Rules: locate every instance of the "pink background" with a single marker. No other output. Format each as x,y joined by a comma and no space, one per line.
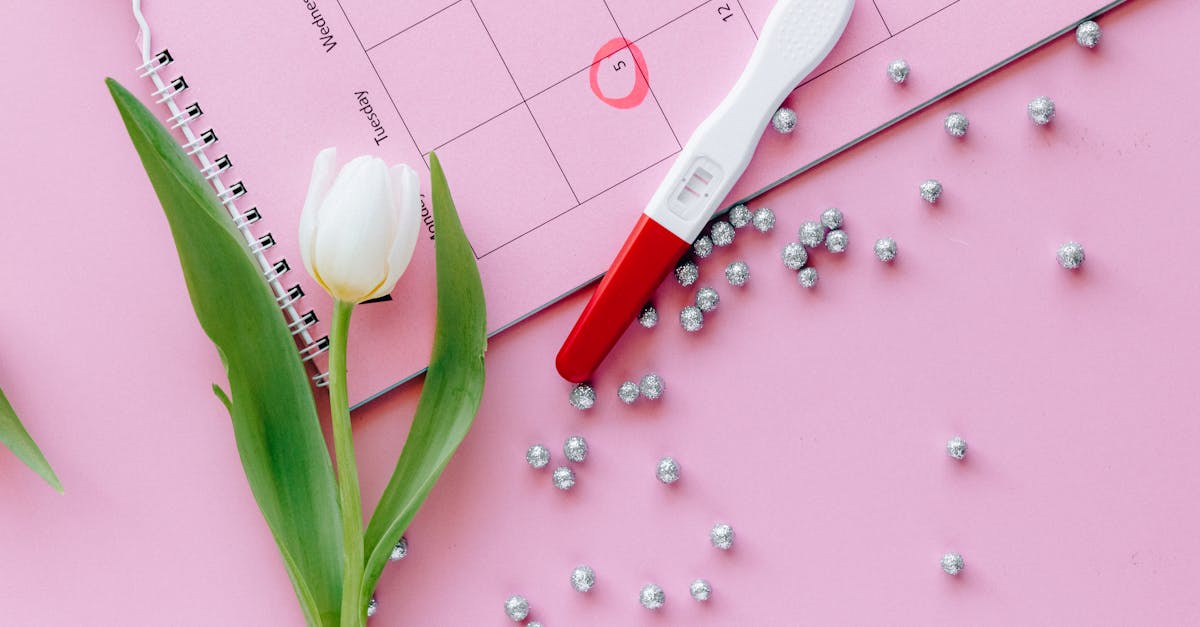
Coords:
813,422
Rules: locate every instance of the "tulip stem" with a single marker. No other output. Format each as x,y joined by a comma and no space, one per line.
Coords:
353,613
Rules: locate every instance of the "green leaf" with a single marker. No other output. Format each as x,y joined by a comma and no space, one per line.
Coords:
453,384
271,404
17,439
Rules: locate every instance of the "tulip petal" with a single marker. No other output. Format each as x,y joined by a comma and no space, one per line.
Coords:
406,187
318,187
357,223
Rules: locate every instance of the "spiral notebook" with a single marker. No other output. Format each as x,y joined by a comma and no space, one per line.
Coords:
554,119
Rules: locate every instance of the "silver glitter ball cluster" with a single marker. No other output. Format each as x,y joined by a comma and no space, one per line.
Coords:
583,578
1070,255
628,392
652,596
687,273
956,447
691,319
956,124
737,273
812,234
722,233
952,563
836,241
763,220
701,590
564,478
707,299
832,218
794,256
538,456
1041,110
667,470
931,190
583,396
898,71
721,536
575,448
885,249
740,216
784,120
372,607
649,317
516,608
703,246
1088,34
652,386
400,550
807,277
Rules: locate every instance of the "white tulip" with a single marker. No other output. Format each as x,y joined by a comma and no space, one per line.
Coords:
358,230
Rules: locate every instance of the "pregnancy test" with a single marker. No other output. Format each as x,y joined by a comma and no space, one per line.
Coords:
797,36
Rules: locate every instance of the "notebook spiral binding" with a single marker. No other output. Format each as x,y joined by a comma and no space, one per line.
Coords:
182,116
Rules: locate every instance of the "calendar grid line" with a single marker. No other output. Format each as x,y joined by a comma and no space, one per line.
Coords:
882,19
378,76
642,72
410,26
525,101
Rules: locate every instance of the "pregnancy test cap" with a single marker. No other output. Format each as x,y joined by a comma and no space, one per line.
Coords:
797,36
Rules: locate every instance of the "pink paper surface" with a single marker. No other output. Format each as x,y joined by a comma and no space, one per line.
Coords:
548,176
813,422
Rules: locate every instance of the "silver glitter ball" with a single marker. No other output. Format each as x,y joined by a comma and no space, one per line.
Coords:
400,550
956,447
538,456
583,578
1070,255
533,623
931,190
628,392
763,220
836,241
832,218
517,608
1088,34
652,596
956,124
583,396
564,478
1041,110
687,273
649,317
691,318
784,120
952,563
703,246
668,470
812,234
707,299
898,71
575,448
807,277
652,386
794,256
701,590
372,607
721,536
737,273
722,233
739,216
885,249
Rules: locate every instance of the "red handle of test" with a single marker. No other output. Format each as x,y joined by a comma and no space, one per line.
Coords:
649,253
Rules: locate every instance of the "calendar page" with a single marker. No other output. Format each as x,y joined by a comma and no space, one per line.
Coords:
555,120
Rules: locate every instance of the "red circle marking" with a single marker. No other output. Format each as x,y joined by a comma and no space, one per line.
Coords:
641,83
